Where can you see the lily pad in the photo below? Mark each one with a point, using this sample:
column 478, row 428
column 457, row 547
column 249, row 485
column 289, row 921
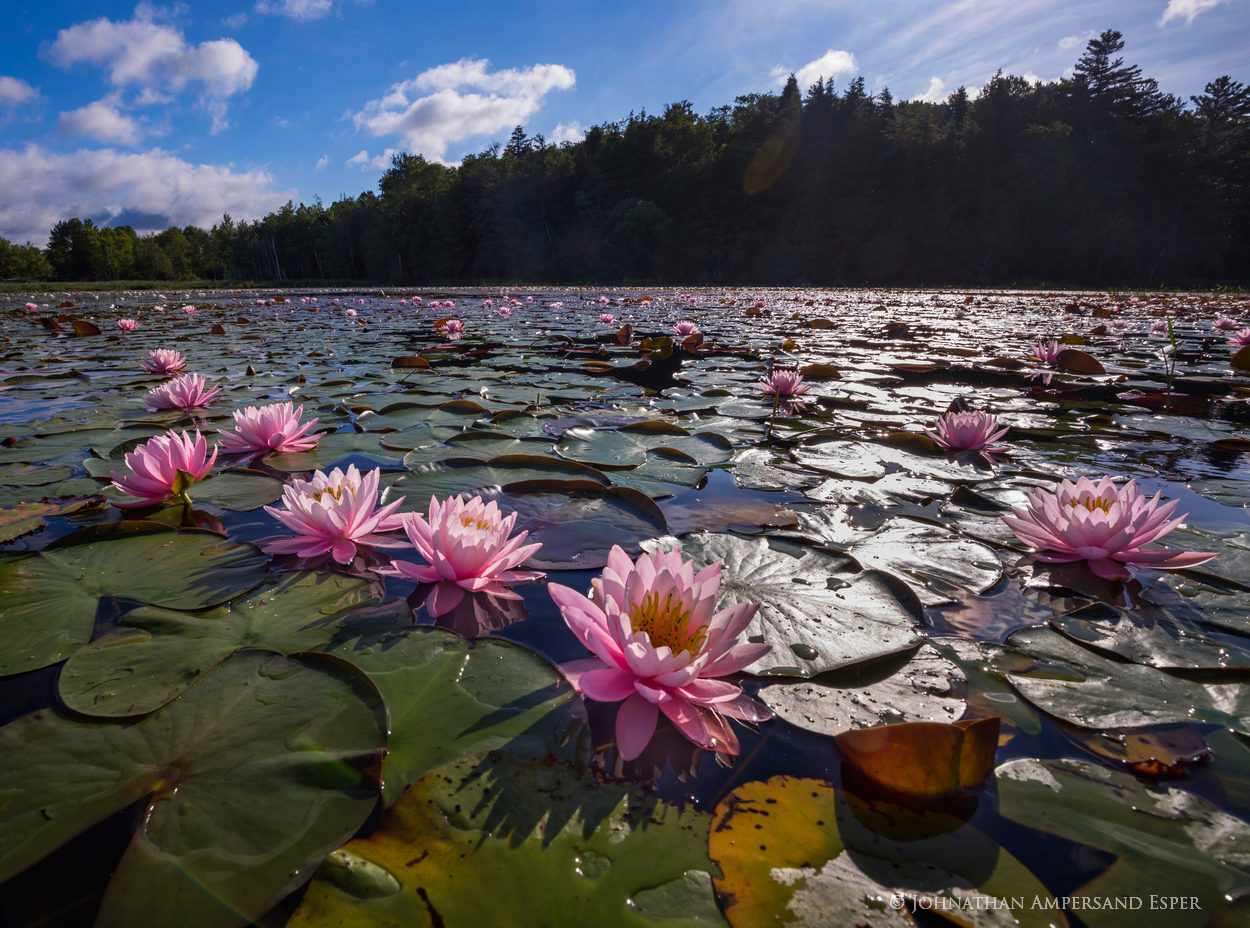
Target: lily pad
column 817, row 614
column 546, row 834
column 1168, row 844
column 239, row 490
column 156, row 654
column 446, row 697
column 254, row 776
column 938, row 563
column 924, row 688
column 456, row 475
column 792, row 851
column 50, row 598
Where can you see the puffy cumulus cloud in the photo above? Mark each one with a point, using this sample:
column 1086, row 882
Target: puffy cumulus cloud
column 152, row 190
column 568, row 132
column 380, row 162
column 14, row 90
column 154, row 57
column 102, row 121
column 833, row 63
column 935, row 93
column 1187, row 10
column 460, row 100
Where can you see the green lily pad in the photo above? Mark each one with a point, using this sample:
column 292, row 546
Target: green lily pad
column 628, row 445
column 938, row 563
column 29, row 517
column 1168, row 844
column 332, row 449
column 455, row 475
column 546, row 834
column 577, row 521
column 239, row 490
column 50, row 598
column 254, row 776
column 817, row 614
column 447, row 696
column 862, row 460
column 1082, row 687
column 156, row 654
column 924, row 688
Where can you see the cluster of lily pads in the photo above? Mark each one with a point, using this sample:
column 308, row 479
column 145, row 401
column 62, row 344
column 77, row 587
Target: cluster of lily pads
column 838, row 509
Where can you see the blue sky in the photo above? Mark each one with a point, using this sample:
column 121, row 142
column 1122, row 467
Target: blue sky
column 171, row 115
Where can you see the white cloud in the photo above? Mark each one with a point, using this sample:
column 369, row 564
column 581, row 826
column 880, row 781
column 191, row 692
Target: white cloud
column 14, row 90
column 1187, row 9
column 296, row 9
column 568, row 132
column 234, row 20
column 102, row 121
column 322, row 163
column 461, row 100
column 155, row 58
column 936, row 92
column 831, row 64
column 380, row 162
column 149, row 190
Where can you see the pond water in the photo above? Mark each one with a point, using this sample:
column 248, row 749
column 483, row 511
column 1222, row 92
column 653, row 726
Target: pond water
column 193, row 723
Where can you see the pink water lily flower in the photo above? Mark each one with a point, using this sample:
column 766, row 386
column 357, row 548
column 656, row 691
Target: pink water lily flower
column 162, row 467
column 1047, row 351
column 452, row 328
column 127, row 325
column 275, row 427
column 660, row 646
column 969, row 431
column 164, row 361
column 186, row 391
column 1103, row 524
column 686, row 328
column 334, row 513
column 783, row 384
column 1241, row 337
column 607, row 318
column 1225, row 322
column 1159, row 327
column 469, row 547
column 189, row 310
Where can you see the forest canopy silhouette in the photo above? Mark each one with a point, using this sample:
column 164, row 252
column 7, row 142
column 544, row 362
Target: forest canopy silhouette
column 1096, row 179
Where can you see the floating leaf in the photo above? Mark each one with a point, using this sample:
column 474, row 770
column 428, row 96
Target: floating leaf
column 455, row 475
column 254, row 776
column 29, row 517
column 834, row 619
column 447, row 697
column 156, row 654
column 1169, row 845
column 50, row 598
column 1073, row 359
column 793, row 851
column 923, row 759
column 594, row 853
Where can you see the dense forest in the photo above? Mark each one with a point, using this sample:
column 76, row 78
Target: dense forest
column 1101, row 178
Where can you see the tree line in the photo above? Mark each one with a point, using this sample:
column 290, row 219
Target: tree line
column 1100, row 178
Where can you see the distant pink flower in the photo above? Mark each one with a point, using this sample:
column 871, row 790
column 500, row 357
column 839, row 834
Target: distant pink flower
column 186, row 392
column 416, row 299
column 603, row 299
column 469, row 547
column 452, row 328
column 164, row 361
column 275, row 427
column 783, row 384
column 403, row 302
column 505, row 310
column 659, row 645
column 1103, row 524
column 488, row 303
column 332, row 514
column 1241, row 337
column 1159, row 327
column 969, row 431
column 760, row 304
column 1047, row 351
column 529, row 299
column 127, row 325
column 189, row 310
column 159, row 309
column 607, row 318
column 686, row 328
column 32, row 305
column 1224, row 322
column 350, row 312
column 162, row 467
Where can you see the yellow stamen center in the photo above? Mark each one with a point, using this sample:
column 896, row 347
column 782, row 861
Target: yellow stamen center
column 667, row 623
column 334, row 492
column 1093, row 502
column 475, row 522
